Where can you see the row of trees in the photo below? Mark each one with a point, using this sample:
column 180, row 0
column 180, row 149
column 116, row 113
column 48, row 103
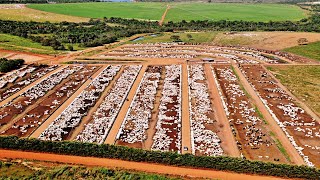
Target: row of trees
column 131, row 154
column 98, row 32
column 9, row 65
column 87, row 34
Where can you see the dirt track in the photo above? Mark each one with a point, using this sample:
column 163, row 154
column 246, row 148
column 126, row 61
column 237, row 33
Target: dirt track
column 228, row 140
column 164, row 15
column 186, row 132
column 137, row 166
column 122, row 113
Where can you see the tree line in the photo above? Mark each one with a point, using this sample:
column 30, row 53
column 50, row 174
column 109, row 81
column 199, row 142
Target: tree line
column 223, row 163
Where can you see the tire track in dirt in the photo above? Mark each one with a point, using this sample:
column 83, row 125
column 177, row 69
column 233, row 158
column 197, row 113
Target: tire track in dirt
column 164, row 15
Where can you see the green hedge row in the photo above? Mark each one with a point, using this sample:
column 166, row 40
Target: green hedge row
column 120, row 152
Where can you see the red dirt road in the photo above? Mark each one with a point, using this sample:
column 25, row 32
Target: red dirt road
column 137, row 166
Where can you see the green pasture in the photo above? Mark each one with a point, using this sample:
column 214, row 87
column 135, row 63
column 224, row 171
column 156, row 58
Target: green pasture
column 148, row 11
column 10, row 42
column 178, row 11
column 303, row 81
column 311, row 50
column 234, row 11
column 16, row 43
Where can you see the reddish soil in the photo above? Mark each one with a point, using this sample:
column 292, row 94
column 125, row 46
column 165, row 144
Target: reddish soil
column 246, row 132
column 18, row 106
column 137, row 166
column 263, row 83
column 31, row 77
column 123, row 110
column 44, row 109
column 130, row 125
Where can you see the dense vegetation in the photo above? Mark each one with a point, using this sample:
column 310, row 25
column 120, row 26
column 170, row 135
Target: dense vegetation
column 9, row 65
column 87, row 34
column 131, row 154
column 99, row 32
column 14, row 170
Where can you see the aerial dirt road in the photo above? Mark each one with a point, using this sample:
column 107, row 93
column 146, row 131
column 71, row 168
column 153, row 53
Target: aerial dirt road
column 128, row 165
column 228, row 140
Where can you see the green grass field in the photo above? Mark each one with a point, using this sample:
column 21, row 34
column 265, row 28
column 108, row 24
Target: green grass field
column 149, row 11
column 16, row 43
column 234, row 11
column 178, row 11
column 10, row 42
column 311, row 50
column 197, row 37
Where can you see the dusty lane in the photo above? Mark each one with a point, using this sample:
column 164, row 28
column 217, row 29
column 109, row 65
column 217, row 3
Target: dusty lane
column 137, row 166
column 228, row 139
column 163, row 17
column 124, row 108
column 186, row 132
column 89, row 117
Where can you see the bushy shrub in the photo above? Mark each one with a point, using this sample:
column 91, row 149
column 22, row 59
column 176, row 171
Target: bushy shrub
column 7, row 65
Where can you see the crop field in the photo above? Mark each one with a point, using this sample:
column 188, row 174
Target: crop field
column 178, row 11
column 150, row 97
column 148, row 11
column 222, row 11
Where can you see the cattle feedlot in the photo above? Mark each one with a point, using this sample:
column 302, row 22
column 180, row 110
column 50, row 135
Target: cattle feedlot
column 160, row 96
column 155, row 93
